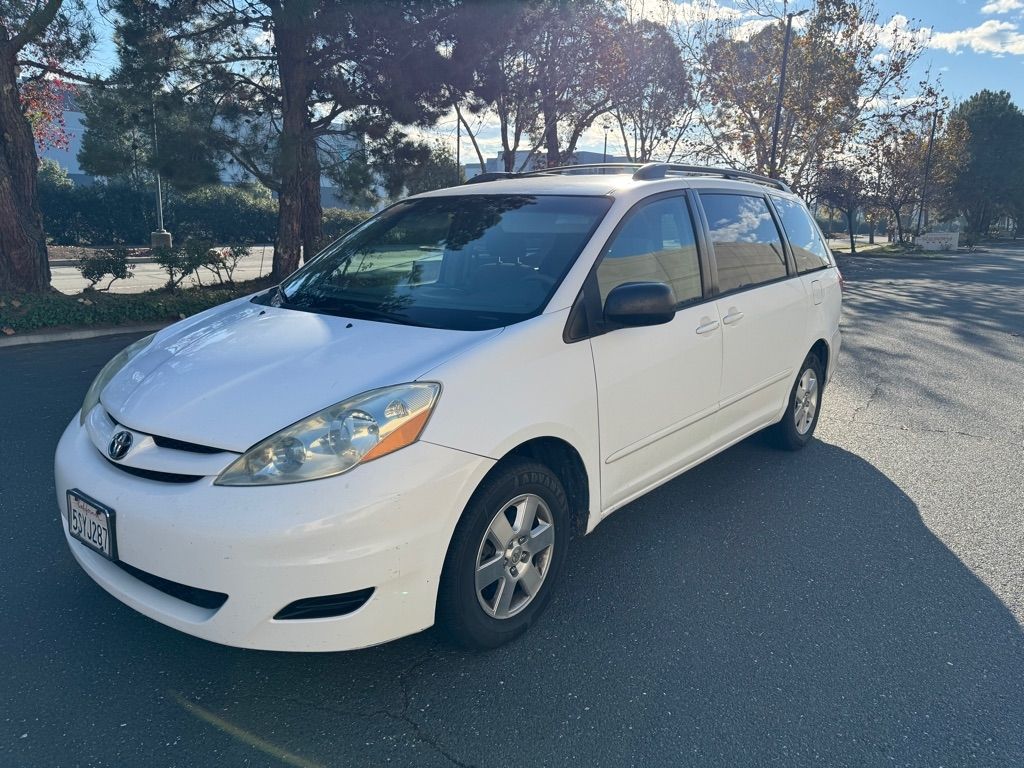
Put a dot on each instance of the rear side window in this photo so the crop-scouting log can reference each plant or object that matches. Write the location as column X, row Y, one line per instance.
column 748, row 247
column 656, row 243
column 809, row 249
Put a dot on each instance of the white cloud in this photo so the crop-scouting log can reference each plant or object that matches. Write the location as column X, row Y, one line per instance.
column 898, row 30
column 697, row 11
column 1002, row 6
column 747, row 29
column 996, row 37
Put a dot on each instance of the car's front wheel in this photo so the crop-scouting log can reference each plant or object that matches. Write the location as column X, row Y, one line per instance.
column 505, row 556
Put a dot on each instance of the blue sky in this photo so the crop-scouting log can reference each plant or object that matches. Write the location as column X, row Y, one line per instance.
column 973, row 44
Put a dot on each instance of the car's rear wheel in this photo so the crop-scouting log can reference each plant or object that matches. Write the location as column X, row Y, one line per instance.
column 798, row 423
column 505, row 557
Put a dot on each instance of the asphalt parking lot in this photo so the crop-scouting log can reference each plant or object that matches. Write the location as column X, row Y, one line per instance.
column 856, row 604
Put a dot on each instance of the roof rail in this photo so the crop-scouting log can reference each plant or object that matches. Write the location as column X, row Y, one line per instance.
column 553, row 171
column 640, row 172
column 480, row 178
column 559, row 170
column 661, row 170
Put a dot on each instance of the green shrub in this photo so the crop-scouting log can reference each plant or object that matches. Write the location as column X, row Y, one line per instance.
column 182, row 260
column 224, row 214
column 338, row 221
column 115, row 212
column 222, row 262
column 112, row 261
column 28, row 312
column 100, row 214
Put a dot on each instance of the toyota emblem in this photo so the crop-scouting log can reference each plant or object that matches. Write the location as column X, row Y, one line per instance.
column 119, row 446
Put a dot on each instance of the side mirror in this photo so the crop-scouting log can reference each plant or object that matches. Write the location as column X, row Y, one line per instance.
column 638, row 304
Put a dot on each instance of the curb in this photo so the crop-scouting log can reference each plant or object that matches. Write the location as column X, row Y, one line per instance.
column 74, row 262
column 43, row 337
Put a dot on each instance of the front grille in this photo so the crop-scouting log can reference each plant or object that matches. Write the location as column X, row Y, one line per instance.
column 181, row 445
column 325, row 606
column 152, row 474
column 171, row 442
column 202, row 598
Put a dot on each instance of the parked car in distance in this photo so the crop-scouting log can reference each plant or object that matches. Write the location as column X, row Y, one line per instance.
column 415, row 426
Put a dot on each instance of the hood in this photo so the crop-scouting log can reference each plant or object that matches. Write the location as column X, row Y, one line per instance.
column 238, row 373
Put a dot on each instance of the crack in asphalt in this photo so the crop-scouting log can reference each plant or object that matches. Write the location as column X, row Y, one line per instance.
column 867, row 403
column 404, row 716
column 401, row 716
column 912, row 430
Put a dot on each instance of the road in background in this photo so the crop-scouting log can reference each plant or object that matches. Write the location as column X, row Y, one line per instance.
column 858, row 603
column 148, row 275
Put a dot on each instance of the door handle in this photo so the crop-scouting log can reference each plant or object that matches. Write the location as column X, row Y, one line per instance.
column 707, row 325
column 734, row 316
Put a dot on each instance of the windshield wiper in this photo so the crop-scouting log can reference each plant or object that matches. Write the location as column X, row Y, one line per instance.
column 356, row 313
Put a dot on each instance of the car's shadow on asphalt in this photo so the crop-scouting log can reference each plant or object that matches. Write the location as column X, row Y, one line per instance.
column 764, row 608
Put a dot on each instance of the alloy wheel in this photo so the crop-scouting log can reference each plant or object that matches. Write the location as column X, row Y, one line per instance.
column 805, row 401
column 514, row 556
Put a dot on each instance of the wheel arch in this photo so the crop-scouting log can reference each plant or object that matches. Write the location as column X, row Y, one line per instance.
column 562, row 458
column 823, row 352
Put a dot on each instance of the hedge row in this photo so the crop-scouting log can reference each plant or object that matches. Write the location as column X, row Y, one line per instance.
column 104, row 214
column 29, row 312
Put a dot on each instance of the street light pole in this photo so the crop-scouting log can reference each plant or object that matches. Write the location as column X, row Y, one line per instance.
column 605, row 158
column 772, row 170
column 161, row 238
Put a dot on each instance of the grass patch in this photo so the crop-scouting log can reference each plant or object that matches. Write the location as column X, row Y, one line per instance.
column 895, row 251
column 54, row 310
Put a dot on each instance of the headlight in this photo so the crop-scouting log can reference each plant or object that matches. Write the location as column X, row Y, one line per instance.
column 338, row 438
column 119, row 361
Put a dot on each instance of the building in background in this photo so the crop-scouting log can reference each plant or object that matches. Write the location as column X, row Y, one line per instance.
column 67, row 157
column 333, row 147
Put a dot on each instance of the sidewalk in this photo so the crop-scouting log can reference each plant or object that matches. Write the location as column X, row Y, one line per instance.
column 842, row 244
column 148, row 275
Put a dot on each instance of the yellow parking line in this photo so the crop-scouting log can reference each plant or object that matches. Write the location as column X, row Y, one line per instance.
column 243, row 735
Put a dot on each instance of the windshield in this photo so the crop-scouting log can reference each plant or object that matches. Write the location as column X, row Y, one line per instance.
column 470, row 262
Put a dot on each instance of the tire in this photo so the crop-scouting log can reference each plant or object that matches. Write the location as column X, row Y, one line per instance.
column 797, row 426
column 486, row 612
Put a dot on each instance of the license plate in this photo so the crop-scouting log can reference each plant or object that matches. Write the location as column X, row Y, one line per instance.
column 91, row 523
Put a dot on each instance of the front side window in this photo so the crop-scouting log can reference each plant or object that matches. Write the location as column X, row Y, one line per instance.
column 467, row 262
column 748, row 247
column 809, row 250
column 656, row 243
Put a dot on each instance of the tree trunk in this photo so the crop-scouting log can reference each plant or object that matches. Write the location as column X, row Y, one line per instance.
column 551, row 132
column 850, row 216
column 296, row 140
column 312, row 210
column 899, row 225
column 24, row 265
column 472, row 138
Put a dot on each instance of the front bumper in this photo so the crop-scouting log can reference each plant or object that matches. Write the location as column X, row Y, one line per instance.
column 386, row 525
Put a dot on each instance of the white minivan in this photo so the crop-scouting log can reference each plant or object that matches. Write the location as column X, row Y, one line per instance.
column 415, row 425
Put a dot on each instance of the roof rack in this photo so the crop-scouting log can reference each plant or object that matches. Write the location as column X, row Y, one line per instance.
column 559, row 170
column 553, row 171
column 661, row 170
column 480, row 178
column 640, row 172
